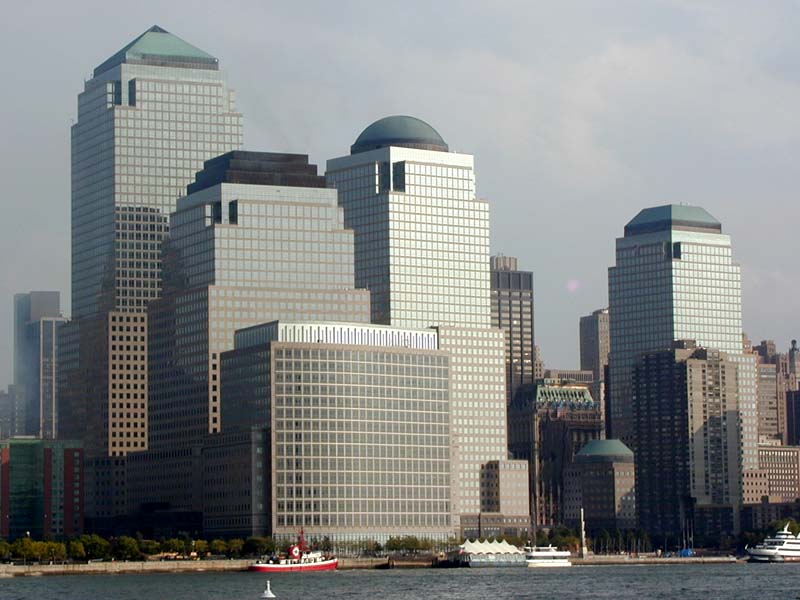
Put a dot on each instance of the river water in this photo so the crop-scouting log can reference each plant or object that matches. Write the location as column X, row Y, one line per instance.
column 679, row 582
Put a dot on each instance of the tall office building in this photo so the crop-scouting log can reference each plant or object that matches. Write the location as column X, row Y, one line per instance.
column 512, row 311
column 674, row 278
column 422, row 249
column 359, row 417
column 594, row 343
column 37, row 319
column 258, row 238
column 147, row 119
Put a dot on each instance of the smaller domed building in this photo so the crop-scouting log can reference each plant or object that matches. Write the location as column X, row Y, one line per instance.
column 602, row 481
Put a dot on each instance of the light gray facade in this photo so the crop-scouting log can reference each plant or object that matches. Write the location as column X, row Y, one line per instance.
column 422, row 249
column 359, row 417
column 674, row 278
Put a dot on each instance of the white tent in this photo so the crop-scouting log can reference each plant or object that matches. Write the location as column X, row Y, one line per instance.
column 493, row 547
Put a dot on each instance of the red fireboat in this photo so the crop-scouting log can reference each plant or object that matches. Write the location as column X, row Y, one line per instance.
column 299, row 558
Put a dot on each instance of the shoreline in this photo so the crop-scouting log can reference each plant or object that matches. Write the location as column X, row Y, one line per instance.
column 345, row 564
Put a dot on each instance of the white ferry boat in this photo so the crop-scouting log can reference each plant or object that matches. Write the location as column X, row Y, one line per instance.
column 546, row 556
column 783, row 547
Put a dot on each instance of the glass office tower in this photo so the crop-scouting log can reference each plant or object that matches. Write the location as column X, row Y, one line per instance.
column 674, row 279
column 147, row 119
column 422, row 249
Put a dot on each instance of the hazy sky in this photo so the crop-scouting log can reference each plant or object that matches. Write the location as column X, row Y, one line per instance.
column 579, row 114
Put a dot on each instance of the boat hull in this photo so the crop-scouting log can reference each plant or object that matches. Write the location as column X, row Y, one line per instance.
column 549, row 564
column 324, row 565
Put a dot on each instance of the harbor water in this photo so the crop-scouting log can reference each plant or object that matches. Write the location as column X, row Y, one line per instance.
column 683, row 582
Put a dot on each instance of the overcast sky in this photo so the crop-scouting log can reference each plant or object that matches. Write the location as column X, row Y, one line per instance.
column 579, row 114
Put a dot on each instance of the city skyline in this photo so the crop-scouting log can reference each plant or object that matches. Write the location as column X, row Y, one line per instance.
column 520, row 200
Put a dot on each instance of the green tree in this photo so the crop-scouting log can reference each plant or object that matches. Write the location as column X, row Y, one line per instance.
column 173, row 545
column 235, row 547
column 394, row 544
column 201, row 547
column 5, row 550
column 95, row 546
column 125, row 548
column 76, row 550
column 23, row 548
column 218, row 547
column 149, row 547
column 259, row 545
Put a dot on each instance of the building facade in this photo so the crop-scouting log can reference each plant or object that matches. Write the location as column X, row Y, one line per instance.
column 674, row 279
column 258, row 238
column 41, row 488
column 422, row 250
column 601, row 481
column 512, row 311
column 147, row 119
column 689, row 457
column 37, row 320
column 548, row 423
column 359, row 423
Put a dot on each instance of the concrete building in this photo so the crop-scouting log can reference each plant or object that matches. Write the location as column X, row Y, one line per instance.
column 594, row 342
column 358, row 420
column 674, row 279
column 37, row 319
column 687, row 421
column 602, row 481
column 422, row 249
column 258, row 238
column 41, row 488
column 147, row 119
column 505, row 502
column 549, row 422
column 512, row 311
column 13, row 412
column 781, row 464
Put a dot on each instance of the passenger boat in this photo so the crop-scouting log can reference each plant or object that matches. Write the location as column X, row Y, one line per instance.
column 546, row 556
column 298, row 558
column 784, row 547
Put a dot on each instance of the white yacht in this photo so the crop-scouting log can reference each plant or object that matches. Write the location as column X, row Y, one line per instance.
column 781, row 548
column 546, row 556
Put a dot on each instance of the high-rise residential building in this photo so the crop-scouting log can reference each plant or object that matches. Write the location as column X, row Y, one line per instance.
column 548, row 423
column 258, row 238
column 781, row 465
column 512, row 311
column 594, row 342
column 690, row 458
column 769, row 409
column 674, row 279
column 601, row 481
column 37, row 319
column 359, row 441
column 41, row 488
column 147, row 119
column 422, row 249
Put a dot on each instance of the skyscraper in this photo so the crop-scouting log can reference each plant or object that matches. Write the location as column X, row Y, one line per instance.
column 422, row 249
column 258, row 238
column 37, row 319
column 674, row 278
column 512, row 311
column 147, row 119
column 594, row 343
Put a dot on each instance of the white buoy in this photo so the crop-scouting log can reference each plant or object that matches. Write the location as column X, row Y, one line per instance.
column 268, row 592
